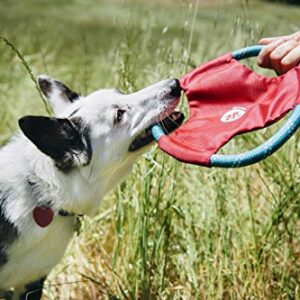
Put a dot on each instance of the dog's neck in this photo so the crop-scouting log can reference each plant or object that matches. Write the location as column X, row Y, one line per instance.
column 45, row 184
column 63, row 191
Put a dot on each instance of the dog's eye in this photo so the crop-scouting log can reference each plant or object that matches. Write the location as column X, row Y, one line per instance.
column 119, row 115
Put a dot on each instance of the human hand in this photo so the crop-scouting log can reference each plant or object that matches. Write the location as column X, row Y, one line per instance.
column 280, row 53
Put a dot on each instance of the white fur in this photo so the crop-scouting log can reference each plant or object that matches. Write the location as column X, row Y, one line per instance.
column 38, row 250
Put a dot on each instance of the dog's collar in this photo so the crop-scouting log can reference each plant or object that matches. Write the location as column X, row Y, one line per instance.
column 65, row 213
column 43, row 215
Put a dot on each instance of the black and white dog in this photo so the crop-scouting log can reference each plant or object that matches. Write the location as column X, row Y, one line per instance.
column 57, row 168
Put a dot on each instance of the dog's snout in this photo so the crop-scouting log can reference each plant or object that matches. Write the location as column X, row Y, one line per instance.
column 175, row 88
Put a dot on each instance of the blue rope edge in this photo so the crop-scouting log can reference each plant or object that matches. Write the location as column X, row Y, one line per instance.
column 247, row 52
column 262, row 151
column 157, row 132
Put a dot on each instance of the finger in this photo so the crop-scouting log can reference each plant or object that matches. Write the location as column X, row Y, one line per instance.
column 266, row 41
column 279, row 53
column 263, row 58
column 296, row 36
column 291, row 60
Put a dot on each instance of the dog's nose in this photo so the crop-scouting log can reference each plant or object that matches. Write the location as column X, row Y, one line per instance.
column 175, row 88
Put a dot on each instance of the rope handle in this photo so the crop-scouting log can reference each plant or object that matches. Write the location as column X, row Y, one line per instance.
column 265, row 149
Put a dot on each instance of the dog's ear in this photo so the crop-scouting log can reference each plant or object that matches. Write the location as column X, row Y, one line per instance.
column 58, row 95
column 59, row 139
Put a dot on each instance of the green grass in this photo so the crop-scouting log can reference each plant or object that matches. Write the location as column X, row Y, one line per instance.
column 170, row 231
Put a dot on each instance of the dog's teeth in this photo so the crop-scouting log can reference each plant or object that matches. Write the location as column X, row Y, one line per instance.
column 143, row 135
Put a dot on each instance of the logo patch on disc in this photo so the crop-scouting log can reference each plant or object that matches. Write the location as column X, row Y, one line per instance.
column 234, row 114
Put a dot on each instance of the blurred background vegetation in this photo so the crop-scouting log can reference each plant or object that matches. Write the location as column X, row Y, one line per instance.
column 286, row 1
column 170, row 231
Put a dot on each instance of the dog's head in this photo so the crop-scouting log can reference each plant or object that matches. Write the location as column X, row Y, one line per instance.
column 104, row 130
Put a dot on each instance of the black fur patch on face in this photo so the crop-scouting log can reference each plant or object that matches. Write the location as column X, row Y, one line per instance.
column 66, row 141
column 8, row 232
column 84, row 132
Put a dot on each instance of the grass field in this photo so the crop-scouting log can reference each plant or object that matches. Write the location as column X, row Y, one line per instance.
column 170, row 231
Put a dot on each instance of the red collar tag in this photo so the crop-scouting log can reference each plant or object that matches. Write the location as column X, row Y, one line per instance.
column 43, row 215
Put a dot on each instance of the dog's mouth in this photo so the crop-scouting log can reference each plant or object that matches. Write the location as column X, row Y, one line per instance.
column 169, row 124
